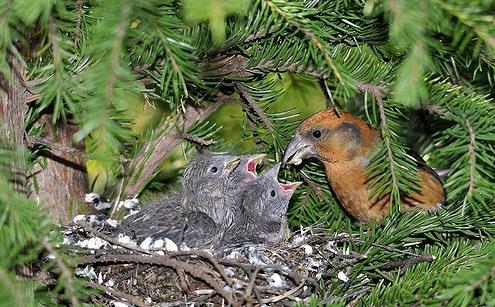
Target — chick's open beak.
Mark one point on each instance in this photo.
(273, 171)
(290, 186)
(298, 150)
(231, 164)
(253, 161)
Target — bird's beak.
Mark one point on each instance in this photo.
(253, 161)
(273, 171)
(290, 186)
(230, 165)
(298, 150)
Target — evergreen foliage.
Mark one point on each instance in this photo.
(422, 72)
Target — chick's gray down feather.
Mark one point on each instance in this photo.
(192, 216)
(261, 216)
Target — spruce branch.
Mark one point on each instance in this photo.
(475, 21)
(198, 140)
(66, 272)
(251, 103)
(11, 286)
(118, 294)
(277, 8)
(147, 161)
(115, 50)
(79, 12)
(56, 147)
(386, 138)
(472, 159)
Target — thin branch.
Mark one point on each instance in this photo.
(156, 150)
(472, 158)
(56, 147)
(315, 41)
(198, 140)
(118, 294)
(471, 145)
(376, 91)
(312, 186)
(65, 271)
(12, 288)
(249, 289)
(251, 103)
(406, 263)
(109, 239)
(79, 12)
(162, 261)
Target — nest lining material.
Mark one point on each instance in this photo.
(247, 275)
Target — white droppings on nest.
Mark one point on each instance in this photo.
(149, 300)
(50, 256)
(91, 197)
(147, 243)
(161, 253)
(237, 286)
(88, 271)
(276, 281)
(120, 304)
(92, 243)
(170, 245)
(342, 276)
(100, 278)
(183, 247)
(79, 218)
(234, 255)
(254, 257)
(298, 240)
(131, 203)
(308, 249)
(132, 212)
(112, 223)
(229, 272)
(125, 239)
(110, 283)
(158, 244)
(104, 205)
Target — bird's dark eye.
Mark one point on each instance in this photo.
(316, 134)
(273, 193)
(214, 169)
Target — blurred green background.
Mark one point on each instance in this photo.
(300, 93)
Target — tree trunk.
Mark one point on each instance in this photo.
(62, 181)
(13, 108)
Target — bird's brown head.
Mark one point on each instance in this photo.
(330, 137)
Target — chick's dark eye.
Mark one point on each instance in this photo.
(316, 134)
(273, 193)
(214, 169)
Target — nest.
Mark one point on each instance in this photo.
(247, 275)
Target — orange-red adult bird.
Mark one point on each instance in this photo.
(345, 145)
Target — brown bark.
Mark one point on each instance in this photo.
(62, 182)
(13, 96)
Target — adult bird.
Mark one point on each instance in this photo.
(345, 144)
(261, 216)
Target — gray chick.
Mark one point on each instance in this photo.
(237, 181)
(197, 209)
(262, 211)
(204, 184)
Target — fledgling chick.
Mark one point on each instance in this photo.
(345, 144)
(197, 215)
(205, 182)
(261, 215)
